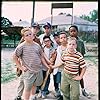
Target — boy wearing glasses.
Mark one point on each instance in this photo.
(47, 32)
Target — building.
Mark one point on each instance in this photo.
(63, 21)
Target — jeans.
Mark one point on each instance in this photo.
(57, 80)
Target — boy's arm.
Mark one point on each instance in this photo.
(16, 61)
(82, 72)
(45, 57)
(18, 64)
(79, 77)
(44, 61)
(57, 65)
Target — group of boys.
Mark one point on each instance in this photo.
(31, 55)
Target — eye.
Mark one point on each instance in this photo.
(30, 34)
(27, 35)
(73, 31)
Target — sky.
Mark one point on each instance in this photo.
(16, 10)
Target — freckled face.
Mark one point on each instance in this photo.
(28, 36)
(71, 45)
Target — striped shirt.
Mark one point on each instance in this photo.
(73, 62)
(30, 56)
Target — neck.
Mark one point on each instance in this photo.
(64, 45)
(29, 42)
(71, 51)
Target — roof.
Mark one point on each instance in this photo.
(66, 20)
(22, 23)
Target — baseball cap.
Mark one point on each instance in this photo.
(47, 25)
(35, 25)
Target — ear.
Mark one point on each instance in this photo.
(23, 37)
(76, 45)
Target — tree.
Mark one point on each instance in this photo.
(93, 16)
(5, 22)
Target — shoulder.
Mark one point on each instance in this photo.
(79, 40)
(21, 45)
(36, 44)
(42, 35)
(79, 54)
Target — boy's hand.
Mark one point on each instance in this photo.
(24, 68)
(53, 67)
(77, 77)
(50, 69)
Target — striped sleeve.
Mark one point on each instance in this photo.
(18, 50)
(82, 62)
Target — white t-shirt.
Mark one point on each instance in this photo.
(58, 60)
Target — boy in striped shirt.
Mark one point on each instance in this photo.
(72, 60)
(31, 55)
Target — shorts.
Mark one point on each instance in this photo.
(31, 78)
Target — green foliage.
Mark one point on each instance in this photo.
(5, 22)
(93, 16)
(89, 37)
(40, 32)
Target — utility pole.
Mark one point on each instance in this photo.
(61, 5)
(32, 21)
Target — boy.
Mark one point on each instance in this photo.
(35, 29)
(57, 71)
(72, 60)
(31, 56)
(73, 31)
(50, 53)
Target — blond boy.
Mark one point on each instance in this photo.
(32, 58)
(72, 60)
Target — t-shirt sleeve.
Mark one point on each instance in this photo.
(58, 58)
(82, 62)
(40, 50)
(18, 51)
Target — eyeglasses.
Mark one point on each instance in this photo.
(46, 40)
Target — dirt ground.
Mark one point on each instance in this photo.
(8, 90)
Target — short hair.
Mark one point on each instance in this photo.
(55, 35)
(74, 27)
(63, 32)
(46, 37)
(24, 30)
(71, 38)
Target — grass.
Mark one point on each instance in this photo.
(7, 72)
(7, 66)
